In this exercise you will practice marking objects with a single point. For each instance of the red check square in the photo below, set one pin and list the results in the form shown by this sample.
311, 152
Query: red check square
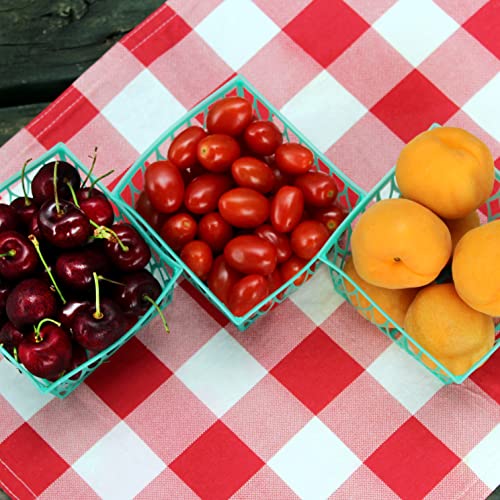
317, 370
63, 118
130, 376
412, 461
487, 377
413, 105
157, 35
217, 464
325, 28
485, 26
31, 460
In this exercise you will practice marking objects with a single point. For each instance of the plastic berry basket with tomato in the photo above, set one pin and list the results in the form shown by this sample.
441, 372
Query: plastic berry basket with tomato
164, 270
132, 184
338, 250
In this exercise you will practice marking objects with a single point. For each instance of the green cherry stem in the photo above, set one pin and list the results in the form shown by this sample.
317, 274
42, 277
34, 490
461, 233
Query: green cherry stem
89, 173
94, 182
102, 232
36, 244
160, 312
97, 314
10, 253
38, 338
56, 194
108, 234
102, 278
27, 201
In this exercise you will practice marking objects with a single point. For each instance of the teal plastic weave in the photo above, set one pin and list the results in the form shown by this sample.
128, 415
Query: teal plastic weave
164, 269
338, 249
129, 188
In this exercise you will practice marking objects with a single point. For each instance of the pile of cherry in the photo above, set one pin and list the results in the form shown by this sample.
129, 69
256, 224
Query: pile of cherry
243, 210
72, 280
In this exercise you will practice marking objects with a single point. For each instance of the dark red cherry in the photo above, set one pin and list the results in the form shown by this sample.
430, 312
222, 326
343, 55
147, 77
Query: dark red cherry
79, 356
137, 253
75, 269
46, 352
8, 218
25, 209
42, 186
96, 331
96, 206
29, 302
18, 258
137, 291
66, 227
68, 312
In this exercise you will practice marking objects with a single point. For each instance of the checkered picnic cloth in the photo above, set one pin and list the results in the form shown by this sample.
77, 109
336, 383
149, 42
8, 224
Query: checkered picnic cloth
311, 401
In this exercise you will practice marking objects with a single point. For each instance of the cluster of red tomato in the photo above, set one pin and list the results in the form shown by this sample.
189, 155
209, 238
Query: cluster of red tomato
245, 211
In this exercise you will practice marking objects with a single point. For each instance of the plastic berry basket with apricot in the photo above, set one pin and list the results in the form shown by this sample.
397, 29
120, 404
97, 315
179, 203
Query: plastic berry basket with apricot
240, 199
418, 257
78, 277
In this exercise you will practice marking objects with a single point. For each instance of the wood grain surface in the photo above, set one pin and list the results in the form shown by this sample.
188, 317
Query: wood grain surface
46, 44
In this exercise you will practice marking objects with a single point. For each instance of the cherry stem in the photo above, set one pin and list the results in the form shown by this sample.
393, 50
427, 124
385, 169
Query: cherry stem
100, 231
160, 312
27, 201
44, 320
99, 179
107, 234
89, 173
98, 314
10, 253
56, 194
14, 352
102, 278
36, 244
73, 194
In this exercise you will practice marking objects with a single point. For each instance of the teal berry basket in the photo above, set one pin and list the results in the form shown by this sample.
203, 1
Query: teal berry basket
129, 188
338, 249
164, 269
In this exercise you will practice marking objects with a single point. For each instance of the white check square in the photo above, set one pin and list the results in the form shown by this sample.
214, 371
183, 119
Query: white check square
143, 110
221, 372
315, 462
403, 377
415, 29
484, 459
120, 465
20, 392
237, 30
484, 107
317, 298
323, 111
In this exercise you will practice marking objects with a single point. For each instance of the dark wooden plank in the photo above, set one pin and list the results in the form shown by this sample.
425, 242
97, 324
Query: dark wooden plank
13, 119
45, 45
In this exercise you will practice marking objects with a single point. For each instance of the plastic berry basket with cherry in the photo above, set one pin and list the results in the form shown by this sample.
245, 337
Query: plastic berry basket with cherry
240, 199
78, 277
447, 329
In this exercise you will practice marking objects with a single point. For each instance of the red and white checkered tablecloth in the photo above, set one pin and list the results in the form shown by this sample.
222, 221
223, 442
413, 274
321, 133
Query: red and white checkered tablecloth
312, 401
